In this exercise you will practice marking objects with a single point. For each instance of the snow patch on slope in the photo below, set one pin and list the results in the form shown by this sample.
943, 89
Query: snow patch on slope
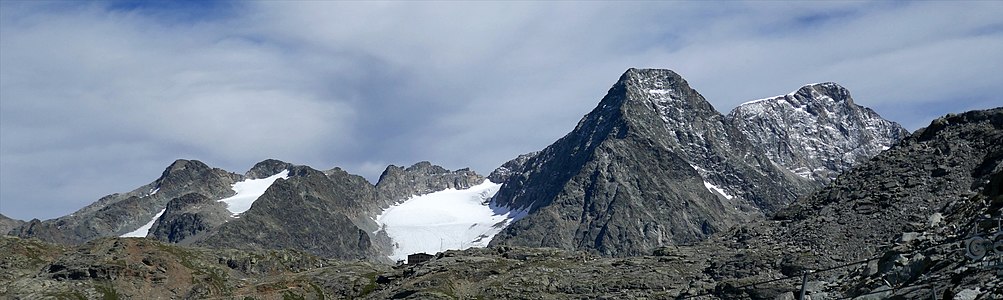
444, 220
145, 229
714, 188
248, 191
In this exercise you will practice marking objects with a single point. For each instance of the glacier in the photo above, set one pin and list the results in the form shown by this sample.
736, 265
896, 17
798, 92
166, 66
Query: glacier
446, 220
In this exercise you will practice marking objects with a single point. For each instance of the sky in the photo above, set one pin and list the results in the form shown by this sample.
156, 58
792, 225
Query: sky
99, 97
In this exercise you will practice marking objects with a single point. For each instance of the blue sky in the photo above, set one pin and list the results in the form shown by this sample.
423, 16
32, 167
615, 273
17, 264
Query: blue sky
99, 97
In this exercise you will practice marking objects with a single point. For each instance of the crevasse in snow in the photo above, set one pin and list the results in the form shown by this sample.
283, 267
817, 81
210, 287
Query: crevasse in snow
444, 220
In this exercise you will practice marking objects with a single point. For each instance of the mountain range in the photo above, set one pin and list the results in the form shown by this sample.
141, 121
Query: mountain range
654, 185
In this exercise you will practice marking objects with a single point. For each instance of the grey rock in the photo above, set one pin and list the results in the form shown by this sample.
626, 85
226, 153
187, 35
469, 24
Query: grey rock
117, 214
187, 217
831, 227
268, 168
311, 211
817, 131
397, 184
6, 224
511, 168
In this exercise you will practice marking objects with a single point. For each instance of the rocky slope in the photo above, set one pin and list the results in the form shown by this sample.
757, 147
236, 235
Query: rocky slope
817, 131
6, 224
117, 214
311, 211
895, 224
653, 164
131, 268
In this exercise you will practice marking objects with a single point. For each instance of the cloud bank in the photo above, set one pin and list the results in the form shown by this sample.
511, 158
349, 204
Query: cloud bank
97, 98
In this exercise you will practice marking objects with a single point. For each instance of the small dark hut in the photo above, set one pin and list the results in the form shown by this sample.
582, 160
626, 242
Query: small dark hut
417, 258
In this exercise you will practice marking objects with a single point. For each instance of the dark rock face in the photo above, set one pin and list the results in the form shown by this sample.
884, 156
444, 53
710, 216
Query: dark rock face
637, 173
817, 131
117, 214
188, 216
397, 184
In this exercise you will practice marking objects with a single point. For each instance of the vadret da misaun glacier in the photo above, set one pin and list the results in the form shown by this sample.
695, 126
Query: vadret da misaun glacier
654, 194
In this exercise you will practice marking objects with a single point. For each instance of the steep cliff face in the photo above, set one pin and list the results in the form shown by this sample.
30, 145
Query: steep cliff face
116, 214
817, 131
653, 164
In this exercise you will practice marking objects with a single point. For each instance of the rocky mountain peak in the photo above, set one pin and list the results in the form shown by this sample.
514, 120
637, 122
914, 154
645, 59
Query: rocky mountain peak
183, 167
267, 168
653, 164
817, 131
669, 94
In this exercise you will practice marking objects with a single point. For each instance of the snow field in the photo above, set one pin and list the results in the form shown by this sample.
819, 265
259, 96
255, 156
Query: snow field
248, 191
142, 231
445, 220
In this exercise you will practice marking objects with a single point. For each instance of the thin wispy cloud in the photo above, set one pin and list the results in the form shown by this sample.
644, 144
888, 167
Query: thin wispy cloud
97, 98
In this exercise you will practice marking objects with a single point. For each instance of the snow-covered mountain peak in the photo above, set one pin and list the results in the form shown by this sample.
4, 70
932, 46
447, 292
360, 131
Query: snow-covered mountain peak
807, 98
816, 131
